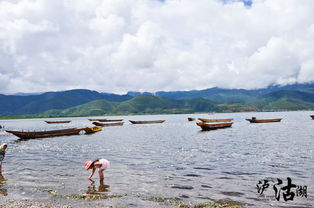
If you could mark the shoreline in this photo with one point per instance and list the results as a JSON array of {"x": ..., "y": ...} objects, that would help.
[{"x": 33, "y": 203}]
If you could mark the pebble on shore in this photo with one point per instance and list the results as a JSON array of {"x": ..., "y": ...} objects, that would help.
[{"x": 29, "y": 204}]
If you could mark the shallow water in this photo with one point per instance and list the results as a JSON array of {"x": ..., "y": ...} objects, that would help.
[{"x": 173, "y": 160}]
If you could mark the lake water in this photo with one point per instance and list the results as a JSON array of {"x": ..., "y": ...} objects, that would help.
[{"x": 164, "y": 165}]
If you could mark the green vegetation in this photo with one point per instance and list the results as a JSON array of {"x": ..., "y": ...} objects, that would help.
[
  {"x": 75, "y": 103},
  {"x": 177, "y": 202}
]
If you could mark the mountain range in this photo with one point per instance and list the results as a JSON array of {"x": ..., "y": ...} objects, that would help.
[{"x": 82, "y": 102}]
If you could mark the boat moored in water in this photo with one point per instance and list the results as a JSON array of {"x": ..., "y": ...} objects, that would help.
[
  {"x": 108, "y": 124},
  {"x": 254, "y": 120},
  {"x": 147, "y": 122},
  {"x": 91, "y": 130},
  {"x": 205, "y": 120},
  {"x": 208, "y": 127},
  {"x": 191, "y": 119},
  {"x": 109, "y": 120},
  {"x": 57, "y": 122},
  {"x": 43, "y": 134}
]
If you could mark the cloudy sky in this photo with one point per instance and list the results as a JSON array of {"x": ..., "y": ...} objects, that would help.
[{"x": 150, "y": 45}]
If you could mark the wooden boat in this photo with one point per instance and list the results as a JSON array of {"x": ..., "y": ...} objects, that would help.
[
  {"x": 204, "y": 120},
  {"x": 91, "y": 130},
  {"x": 105, "y": 120},
  {"x": 254, "y": 120},
  {"x": 57, "y": 122},
  {"x": 109, "y": 120},
  {"x": 147, "y": 122},
  {"x": 108, "y": 124},
  {"x": 93, "y": 119},
  {"x": 191, "y": 119},
  {"x": 312, "y": 116},
  {"x": 207, "y": 127},
  {"x": 43, "y": 134}
]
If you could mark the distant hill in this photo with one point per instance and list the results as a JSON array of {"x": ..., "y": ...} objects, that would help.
[
  {"x": 286, "y": 100},
  {"x": 89, "y": 103},
  {"x": 12, "y": 105},
  {"x": 221, "y": 95},
  {"x": 142, "y": 104}
]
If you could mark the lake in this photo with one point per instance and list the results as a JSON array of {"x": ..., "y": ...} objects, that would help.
[{"x": 165, "y": 165}]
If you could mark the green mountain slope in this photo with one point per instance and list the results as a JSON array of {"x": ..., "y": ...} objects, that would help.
[
  {"x": 94, "y": 108},
  {"x": 71, "y": 102},
  {"x": 143, "y": 104},
  {"x": 33, "y": 104},
  {"x": 286, "y": 100}
]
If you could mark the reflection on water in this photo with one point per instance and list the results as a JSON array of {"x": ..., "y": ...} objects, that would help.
[
  {"x": 172, "y": 160},
  {"x": 101, "y": 188}
]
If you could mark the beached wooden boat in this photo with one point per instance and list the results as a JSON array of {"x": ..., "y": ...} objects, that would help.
[
  {"x": 43, "y": 134},
  {"x": 191, "y": 119},
  {"x": 108, "y": 124},
  {"x": 204, "y": 120},
  {"x": 147, "y": 122},
  {"x": 254, "y": 120},
  {"x": 91, "y": 130},
  {"x": 312, "y": 116},
  {"x": 57, "y": 122},
  {"x": 207, "y": 127}
]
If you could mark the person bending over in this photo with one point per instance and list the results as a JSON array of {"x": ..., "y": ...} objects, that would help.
[{"x": 101, "y": 164}]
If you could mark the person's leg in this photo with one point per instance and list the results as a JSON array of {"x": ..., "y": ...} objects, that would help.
[{"x": 101, "y": 174}]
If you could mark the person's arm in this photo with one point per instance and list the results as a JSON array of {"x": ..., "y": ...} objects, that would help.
[{"x": 92, "y": 173}]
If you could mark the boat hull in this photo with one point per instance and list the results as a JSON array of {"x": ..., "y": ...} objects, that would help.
[
  {"x": 109, "y": 120},
  {"x": 92, "y": 130},
  {"x": 108, "y": 124},
  {"x": 205, "y": 120},
  {"x": 147, "y": 122},
  {"x": 191, "y": 119},
  {"x": 105, "y": 120},
  {"x": 43, "y": 134},
  {"x": 57, "y": 122},
  {"x": 264, "y": 120},
  {"x": 208, "y": 127}
]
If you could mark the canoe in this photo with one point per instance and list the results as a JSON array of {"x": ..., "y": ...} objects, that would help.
[
  {"x": 91, "y": 130},
  {"x": 312, "y": 116},
  {"x": 43, "y": 134},
  {"x": 57, "y": 122},
  {"x": 104, "y": 120},
  {"x": 207, "y": 127},
  {"x": 254, "y": 120},
  {"x": 215, "y": 120},
  {"x": 109, "y": 120},
  {"x": 147, "y": 122},
  {"x": 191, "y": 119},
  {"x": 108, "y": 124}
]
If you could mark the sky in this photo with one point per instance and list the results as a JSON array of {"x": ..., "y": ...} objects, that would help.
[{"x": 152, "y": 45}]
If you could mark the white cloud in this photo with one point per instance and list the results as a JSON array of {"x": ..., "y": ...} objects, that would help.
[{"x": 149, "y": 45}]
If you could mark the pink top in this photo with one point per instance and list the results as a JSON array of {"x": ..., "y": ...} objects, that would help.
[{"x": 104, "y": 164}]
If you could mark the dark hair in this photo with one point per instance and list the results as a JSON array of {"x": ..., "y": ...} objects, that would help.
[{"x": 92, "y": 165}]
